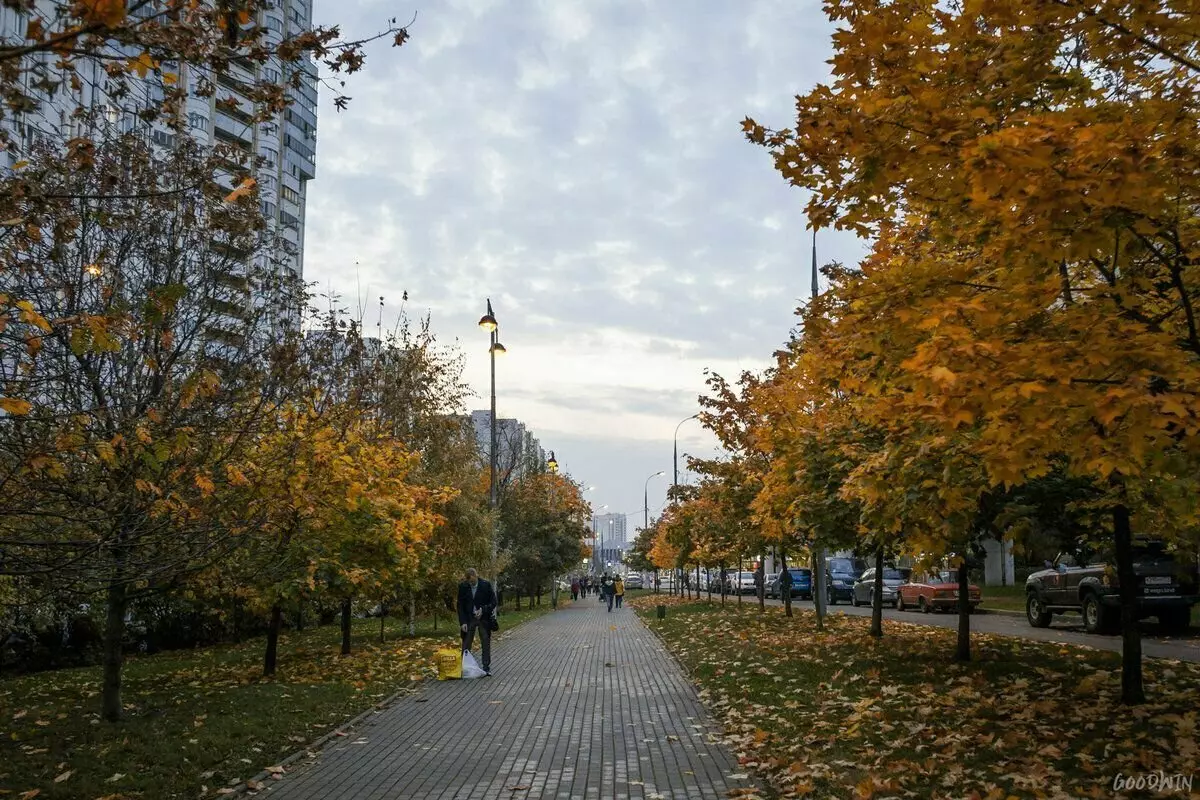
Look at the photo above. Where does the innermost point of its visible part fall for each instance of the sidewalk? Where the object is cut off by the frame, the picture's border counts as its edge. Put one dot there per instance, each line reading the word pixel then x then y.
pixel 575 710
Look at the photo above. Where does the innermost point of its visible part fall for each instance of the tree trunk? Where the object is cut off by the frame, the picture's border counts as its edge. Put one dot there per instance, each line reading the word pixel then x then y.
pixel 787 596
pixel 114 639
pixel 346 604
pixel 270 658
pixel 539 595
pixel 656 580
pixel 237 621
pixel 382 620
pixel 963 651
pixel 762 586
pixel 299 617
pixel 722 585
pixel 1132 690
pixel 818 584
pixel 739 581
pixel 877 597
pixel 412 614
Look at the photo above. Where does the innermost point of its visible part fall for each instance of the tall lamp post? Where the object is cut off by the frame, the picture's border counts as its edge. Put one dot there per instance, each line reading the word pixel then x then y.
pixel 489 324
pixel 646 500
pixel 675 449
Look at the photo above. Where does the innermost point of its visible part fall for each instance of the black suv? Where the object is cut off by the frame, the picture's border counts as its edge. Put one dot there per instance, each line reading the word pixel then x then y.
pixel 1167 588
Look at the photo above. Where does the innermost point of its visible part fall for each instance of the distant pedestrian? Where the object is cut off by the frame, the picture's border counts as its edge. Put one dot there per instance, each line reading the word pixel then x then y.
pixel 609 589
pixel 476 612
pixel 575 589
pixel 619 590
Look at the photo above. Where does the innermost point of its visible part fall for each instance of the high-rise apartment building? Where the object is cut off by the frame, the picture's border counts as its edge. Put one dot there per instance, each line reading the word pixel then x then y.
pixel 280 153
pixel 517 450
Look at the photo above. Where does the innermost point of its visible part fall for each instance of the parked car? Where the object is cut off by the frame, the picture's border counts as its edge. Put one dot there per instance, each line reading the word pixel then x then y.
pixel 840 575
pixel 633 581
pixel 1167 588
pixel 742 583
pixel 936 591
pixel 864 587
pixel 801 583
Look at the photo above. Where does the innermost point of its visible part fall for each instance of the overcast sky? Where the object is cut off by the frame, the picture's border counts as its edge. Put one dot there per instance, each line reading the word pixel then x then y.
pixel 581 163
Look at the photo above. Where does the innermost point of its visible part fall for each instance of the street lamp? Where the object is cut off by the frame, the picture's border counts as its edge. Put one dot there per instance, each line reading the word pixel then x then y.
pixel 488 323
pixel 646 500
pixel 675 450
pixel 552 463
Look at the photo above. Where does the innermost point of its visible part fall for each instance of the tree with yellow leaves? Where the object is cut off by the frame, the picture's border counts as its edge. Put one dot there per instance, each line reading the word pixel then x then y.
pixel 1029 169
pixel 121 430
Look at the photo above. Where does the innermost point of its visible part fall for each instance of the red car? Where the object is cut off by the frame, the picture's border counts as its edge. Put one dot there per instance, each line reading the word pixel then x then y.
pixel 936 591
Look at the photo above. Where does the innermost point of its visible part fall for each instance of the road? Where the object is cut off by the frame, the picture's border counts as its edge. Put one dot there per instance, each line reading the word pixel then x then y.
pixel 1064 629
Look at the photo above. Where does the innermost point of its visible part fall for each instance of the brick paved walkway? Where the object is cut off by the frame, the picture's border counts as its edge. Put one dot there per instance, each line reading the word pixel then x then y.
pixel 575 710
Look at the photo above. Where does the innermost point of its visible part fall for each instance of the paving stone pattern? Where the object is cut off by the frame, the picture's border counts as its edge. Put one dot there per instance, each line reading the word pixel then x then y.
pixel 575 710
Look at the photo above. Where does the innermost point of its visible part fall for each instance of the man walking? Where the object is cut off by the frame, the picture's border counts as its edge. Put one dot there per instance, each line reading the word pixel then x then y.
pixel 608 588
pixel 476 610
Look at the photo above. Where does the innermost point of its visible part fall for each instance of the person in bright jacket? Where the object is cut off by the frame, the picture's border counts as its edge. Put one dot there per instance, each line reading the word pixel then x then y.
pixel 619 589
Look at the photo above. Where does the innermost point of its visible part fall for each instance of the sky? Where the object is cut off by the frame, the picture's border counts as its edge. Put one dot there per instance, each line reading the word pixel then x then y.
pixel 581 163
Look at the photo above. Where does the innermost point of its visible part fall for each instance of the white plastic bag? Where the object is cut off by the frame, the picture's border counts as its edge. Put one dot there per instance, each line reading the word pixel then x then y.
pixel 471 668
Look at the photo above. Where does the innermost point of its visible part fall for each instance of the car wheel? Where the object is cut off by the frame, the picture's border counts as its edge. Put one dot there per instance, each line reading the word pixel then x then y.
pixel 1095 619
pixel 923 605
pixel 900 602
pixel 1035 612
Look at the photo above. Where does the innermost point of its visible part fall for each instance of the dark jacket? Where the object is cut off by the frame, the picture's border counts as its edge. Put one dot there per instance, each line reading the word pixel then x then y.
pixel 485 599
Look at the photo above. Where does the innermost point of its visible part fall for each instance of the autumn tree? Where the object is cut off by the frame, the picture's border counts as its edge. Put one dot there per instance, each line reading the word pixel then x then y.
pixel 542 524
pixel 122 427
pixel 1029 171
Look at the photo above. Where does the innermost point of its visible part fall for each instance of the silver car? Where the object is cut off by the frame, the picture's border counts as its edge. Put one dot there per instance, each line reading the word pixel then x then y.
pixel 864 587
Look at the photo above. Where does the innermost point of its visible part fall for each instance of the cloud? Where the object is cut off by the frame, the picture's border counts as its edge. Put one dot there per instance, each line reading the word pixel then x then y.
pixel 581 164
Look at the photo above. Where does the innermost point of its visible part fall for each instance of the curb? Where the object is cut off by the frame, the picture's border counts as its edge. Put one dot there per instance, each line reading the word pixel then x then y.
pixel 262 777
pixel 1004 612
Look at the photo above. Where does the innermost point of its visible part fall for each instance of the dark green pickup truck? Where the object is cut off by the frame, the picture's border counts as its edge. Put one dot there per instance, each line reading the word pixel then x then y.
pixel 1167 589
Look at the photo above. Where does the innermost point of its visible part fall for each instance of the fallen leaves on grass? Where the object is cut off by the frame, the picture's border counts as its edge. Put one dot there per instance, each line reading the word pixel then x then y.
pixel 841 714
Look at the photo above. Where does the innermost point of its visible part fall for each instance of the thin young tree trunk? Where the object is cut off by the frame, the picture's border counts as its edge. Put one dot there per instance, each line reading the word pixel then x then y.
pixel 300 617
pixel 877 597
pixel 114 657
pixel 963 650
pixel 1132 689
pixel 412 614
pixel 787 596
pixel 382 620
pixel 271 657
pixel 818 585
pixel 346 607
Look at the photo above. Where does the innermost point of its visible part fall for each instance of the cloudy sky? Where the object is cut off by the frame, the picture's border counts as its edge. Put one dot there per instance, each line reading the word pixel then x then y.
pixel 581 163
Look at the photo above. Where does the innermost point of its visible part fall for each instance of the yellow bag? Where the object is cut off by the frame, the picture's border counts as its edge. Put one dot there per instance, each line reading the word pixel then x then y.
pixel 449 664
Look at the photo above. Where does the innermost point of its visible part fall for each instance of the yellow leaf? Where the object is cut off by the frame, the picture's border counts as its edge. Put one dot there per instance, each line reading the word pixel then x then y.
pixel 242 190
pixel 142 64
pixel 34 29
pixel 110 13
pixel 943 375
pixel 169 78
pixel 1030 389
pixel 205 485
pixel 15 406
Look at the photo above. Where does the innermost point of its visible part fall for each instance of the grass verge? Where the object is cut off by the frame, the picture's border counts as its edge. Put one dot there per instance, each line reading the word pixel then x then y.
pixel 1004 598
pixel 199 721
pixel 840 714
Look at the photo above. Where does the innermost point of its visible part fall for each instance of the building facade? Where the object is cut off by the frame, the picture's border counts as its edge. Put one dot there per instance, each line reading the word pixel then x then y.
pixel 279 154
pixel 518 451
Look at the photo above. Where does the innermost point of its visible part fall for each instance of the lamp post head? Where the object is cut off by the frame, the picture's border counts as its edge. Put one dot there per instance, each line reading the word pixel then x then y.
pixel 552 464
pixel 488 320
pixel 498 349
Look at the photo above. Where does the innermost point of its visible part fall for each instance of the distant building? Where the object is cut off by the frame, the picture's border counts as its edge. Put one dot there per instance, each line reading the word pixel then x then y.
pixel 518 451
pixel 610 532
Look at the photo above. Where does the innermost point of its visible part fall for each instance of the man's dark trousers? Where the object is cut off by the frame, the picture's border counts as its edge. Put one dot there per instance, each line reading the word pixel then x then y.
pixel 485 640
pixel 610 600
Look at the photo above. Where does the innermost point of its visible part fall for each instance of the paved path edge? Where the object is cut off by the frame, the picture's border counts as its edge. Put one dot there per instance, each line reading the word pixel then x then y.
pixel 757 780
pixel 315 746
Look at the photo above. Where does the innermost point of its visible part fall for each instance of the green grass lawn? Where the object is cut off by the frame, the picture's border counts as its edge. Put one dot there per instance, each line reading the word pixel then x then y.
pixel 200 720
pixel 840 714
pixel 1006 598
